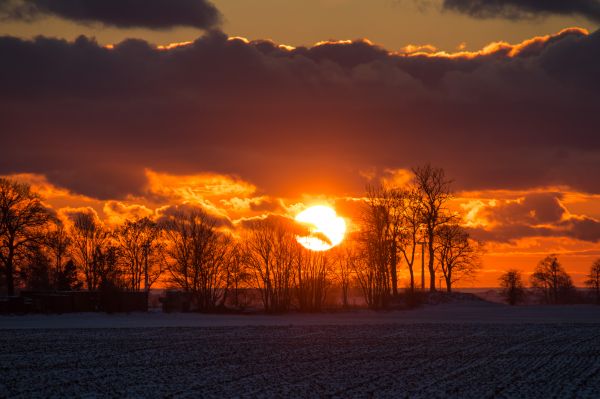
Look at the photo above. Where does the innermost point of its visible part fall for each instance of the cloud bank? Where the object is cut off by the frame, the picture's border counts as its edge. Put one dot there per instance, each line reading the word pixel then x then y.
pixel 524 9
pixel 296 120
pixel 152 14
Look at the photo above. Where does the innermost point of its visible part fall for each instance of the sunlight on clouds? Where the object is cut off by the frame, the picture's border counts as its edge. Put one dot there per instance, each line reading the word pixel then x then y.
pixel 397 177
pixel 196 187
pixel 511 50
pixel 116 212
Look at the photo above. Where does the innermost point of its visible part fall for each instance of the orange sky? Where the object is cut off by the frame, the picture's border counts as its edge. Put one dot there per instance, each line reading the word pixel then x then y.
pixel 282 105
pixel 234 200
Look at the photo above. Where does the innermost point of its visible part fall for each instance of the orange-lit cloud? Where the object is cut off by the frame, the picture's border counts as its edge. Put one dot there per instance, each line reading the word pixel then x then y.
pixel 116 212
pixel 529 46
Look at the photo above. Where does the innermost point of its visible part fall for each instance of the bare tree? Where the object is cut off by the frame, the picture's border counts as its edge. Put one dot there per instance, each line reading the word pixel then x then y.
pixel 552 281
pixel 141 252
pixel 238 276
pixel 593 280
pixel 457 254
pixel 379 240
pixel 22 218
pixel 411 229
pixel 434 192
pixel 513 289
pixel 344 259
pixel 272 255
pixel 58 244
pixel 89 241
pixel 36 271
pixel 369 279
pixel 199 256
pixel 312 280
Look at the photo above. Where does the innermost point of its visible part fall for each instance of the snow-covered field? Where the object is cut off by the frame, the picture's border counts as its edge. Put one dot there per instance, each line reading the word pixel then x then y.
pixel 473 350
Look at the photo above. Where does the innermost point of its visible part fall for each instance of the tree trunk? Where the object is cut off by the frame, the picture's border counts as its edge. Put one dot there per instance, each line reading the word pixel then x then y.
pixel 10 282
pixel 449 283
pixel 431 263
pixel 394 273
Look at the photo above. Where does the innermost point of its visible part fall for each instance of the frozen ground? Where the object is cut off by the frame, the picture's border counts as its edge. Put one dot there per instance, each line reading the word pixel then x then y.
pixel 474 350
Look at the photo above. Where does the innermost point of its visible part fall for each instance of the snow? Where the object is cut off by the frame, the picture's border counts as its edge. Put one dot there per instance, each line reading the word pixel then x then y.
pixel 457 350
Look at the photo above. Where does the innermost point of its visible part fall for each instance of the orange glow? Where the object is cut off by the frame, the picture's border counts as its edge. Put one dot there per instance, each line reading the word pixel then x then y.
pixel 323 223
pixel 171 46
pixel 511 50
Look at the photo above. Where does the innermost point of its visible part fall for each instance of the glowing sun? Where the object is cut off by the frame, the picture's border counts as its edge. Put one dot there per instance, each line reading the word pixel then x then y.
pixel 326 228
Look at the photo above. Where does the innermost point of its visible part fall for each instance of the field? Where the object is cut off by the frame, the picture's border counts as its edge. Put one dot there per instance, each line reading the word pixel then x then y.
pixel 392 354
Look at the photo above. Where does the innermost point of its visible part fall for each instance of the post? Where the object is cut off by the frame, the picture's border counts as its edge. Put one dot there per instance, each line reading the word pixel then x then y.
pixel 423 266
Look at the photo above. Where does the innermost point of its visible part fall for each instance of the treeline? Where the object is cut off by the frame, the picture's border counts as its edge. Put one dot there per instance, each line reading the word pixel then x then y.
pixel 550 284
pixel 187 249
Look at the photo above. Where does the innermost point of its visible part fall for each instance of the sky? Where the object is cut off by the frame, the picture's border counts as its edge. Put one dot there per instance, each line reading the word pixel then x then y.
pixel 131 107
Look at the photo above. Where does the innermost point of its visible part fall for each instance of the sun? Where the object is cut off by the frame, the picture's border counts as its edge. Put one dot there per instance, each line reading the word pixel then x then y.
pixel 326 228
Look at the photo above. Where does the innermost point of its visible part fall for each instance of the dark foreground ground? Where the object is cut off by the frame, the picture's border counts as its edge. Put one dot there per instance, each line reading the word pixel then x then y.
pixel 381 360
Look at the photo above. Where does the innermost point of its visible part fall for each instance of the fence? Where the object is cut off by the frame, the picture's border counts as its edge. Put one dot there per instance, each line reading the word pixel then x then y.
pixel 74 301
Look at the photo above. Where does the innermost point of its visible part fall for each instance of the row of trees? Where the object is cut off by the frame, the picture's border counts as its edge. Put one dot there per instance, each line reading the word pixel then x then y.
pixel 396 221
pixel 550 282
pixel 39 252
pixel 187 249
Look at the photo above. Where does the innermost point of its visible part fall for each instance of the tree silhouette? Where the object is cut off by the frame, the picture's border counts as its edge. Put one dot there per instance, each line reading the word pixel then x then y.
pixel 411 231
pixel 140 252
pixel 199 256
pixel 58 244
pixel 67 279
pixel 513 289
pixel 272 255
pixel 89 241
pixel 22 218
pixel 36 271
pixel 434 192
pixel 552 281
pixel 593 280
pixel 458 255
pixel 312 279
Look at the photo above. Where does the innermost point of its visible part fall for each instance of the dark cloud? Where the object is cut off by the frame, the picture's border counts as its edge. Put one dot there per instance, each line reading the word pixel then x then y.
pixel 306 120
pixel 535 215
pixel 534 209
pixel 521 9
pixel 152 14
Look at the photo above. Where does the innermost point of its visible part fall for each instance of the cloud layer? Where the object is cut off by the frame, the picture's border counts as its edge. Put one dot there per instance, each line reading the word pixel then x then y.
pixel 153 14
pixel 522 9
pixel 540 214
pixel 93 119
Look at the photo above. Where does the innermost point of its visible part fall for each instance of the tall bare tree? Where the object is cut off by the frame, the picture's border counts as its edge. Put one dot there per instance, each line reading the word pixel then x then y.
pixel 435 193
pixel 58 244
pixel 370 279
pixel 238 276
pixel 272 255
pixel 378 241
pixel 22 218
pixel 198 255
pixel 313 272
pixel 344 258
pixel 458 255
pixel 89 244
pixel 141 252
pixel 411 229
pixel 593 280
